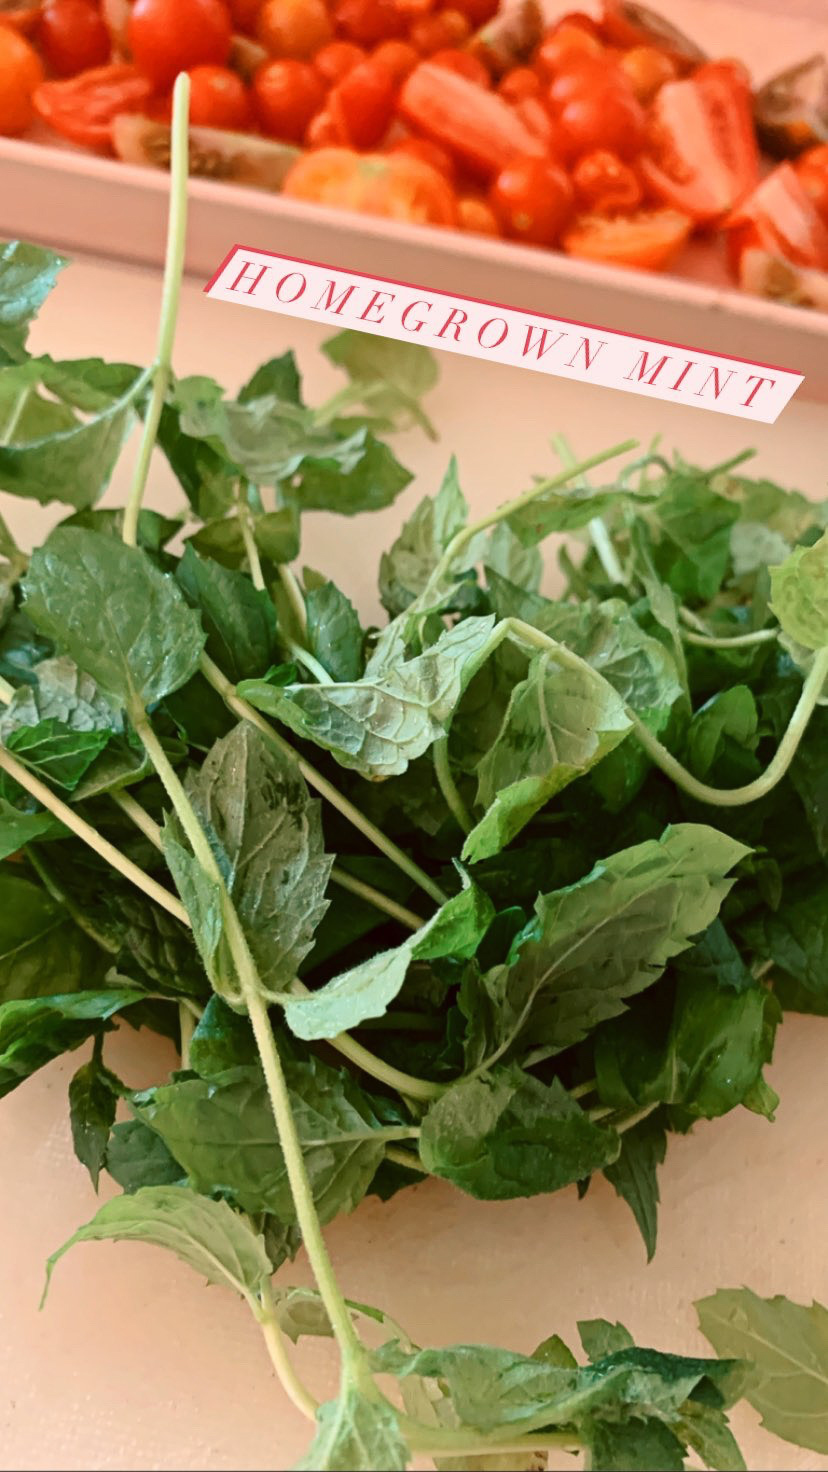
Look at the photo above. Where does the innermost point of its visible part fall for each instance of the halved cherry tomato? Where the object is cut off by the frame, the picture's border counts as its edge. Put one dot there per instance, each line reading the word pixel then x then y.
pixel 219 99
pixel 476 216
pixel 518 84
pixel 704 157
pixel 464 64
pixel 72 37
pixel 544 128
pixel 286 95
pixel 436 32
pixel 296 28
pixel 785 219
pixel 390 185
pixel 605 185
pixel 322 132
pixel 812 170
pixel 626 24
pixel 335 60
pixel 533 200
pixel 362 104
pixel 21 72
pixel 169 36
pixel 20 15
pixel 565 43
pixel 82 108
pixel 648 69
pixel 478 128
pixel 647 241
pixel 397 57
pixel 369 21
pixel 428 153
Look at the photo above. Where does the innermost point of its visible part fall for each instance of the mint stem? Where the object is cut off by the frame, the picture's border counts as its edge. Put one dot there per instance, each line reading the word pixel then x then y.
pixel 601 539
pixel 278 1351
pixel 448 786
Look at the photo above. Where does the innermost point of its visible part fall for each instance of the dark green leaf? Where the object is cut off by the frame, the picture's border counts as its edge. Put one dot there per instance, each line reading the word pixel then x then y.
pixel 34 1031
pixel 18 828
pixel 136 1156
pixel 335 634
pixel 222 1040
pixel 798 594
pixel 722 738
pixel 636 1446
pixel 27 275
pixel 406 568
pixel 41 948
pixel 93 1098
pixel 239 620
pixel 795 937
pixel 634 1176
pixel 278 376
pixel 55 752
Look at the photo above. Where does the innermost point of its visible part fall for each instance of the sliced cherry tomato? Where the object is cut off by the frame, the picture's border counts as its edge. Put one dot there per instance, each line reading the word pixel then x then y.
pixel 286 95
pixel 785 219
pixel 391 185
pixel 219 99
pixel 476 216
pixel 478 128
pixel 603 115
pixel 362 104
pixel 428 153
pixel 647 69
pixel 812 170
pixel 169 36
pixel 518 84
pixel 438 32
pixel 397 57
pixel 335 60
pixel 703 155
pixel 648 240
pixel 464 64
pixel 82 108
pixel 369 21
pixel 605 185
pixel 20 15
pixel 21 72
pixel 565 43
pixel 626 24
pixel 322 132
pixel 296 28
pixel 544 127
pixel 72 37
pixel 533 200
pixel 727 66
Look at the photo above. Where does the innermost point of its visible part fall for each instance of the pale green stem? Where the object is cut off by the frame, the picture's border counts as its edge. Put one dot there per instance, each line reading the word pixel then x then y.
pixel 139 816
pixel 303 656
pixel 460 1442
pixel 293 594
pixel 601 1112
pixel 319 783
pixel 448 786
pixel 187 1024
pixel 16 414
pixel 250 548
pixel 736 641
pixel 581 1090
pixel 280 1357
pixel 90 836
pixel 727 465
pixel 404 1157
pixel 462 538
pixel 601 539
pixel 628 1121
pixel 173 267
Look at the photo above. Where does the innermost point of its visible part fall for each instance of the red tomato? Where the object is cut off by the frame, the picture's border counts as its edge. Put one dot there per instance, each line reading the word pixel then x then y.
pixel 21 72
pixel 812 170
pixel 647 70
pixel 82 108
pixel 336 60
pixel 437 32
pixel 296 28
pixel 464 64
pixel 532 199
pixel 20 15
pixel 478 128
pixel 703 156
pixel 477 12
pixel 322 132
pixel 544 127
pixel 428 153
pixel 605 185
pixel 414 9
pixel 369 21
pixel 583 76
pixel 390 185
pixel 169 36
pixel 397 57
pixel 219 99
pixel 286 94
pixel 518 84
pixel 476 216
pixel 728 66
pixel 563 44
pixel 607 116
pixel 648 240
pixel 245 14
pixel 785 219
pixel 362 105
pixel 71 37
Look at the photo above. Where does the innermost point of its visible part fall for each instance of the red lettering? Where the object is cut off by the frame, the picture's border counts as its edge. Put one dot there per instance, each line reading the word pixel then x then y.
pixel 450 322
pixel 589 356
pixel 717 384
pixel 643 366
pixel 540 347
pixel 249 266
pixel 690 363
pixel 754 391
pixel 491 323
pixel 289 277
pixel 328 303
pixel 410 308
pixel 375 302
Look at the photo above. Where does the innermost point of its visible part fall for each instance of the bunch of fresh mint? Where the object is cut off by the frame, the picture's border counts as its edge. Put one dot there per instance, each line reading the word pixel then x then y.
pixel 504 892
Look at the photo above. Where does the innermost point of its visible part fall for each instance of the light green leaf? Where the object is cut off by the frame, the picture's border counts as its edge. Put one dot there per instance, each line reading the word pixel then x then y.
pixel 787 1343
pixel 41 948
pixel 208 1235
pixel 390 377
pixel 560 722
pixel 62 693
pixel 335 634
pixel 238 619
pixel 599 1338
pixel 355 1434
pixel 35 1030
pixel 27 275
pixel 634 1176
pixel 646 1445
pixel 379 724
pixel 507 1135
pixel 93 1098
pixel 406 568
pixel 55 752
pixel 202 900
pixel 799 594
pixel 705 1430
pixel 507 556
pixel 18 828
pixel 121 620
pixel 564 510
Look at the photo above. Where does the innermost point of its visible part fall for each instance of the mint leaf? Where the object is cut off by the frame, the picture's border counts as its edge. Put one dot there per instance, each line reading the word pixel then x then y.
pixel 599 1338
pixel 795 937
pixel 506 556
pixel 63 693
pixel 722 737
pixel 120 619
pixel 335 634
pixel 27 275
pixel 391 377
pixel 41 948
pixel 355 1434
pixel 407 566
pixel 238 619
pixel 634 1176
pixel 787 1343
pixel 207 1235
pixel 508 1135
pixel 647 1445
pixel 56 753
pixel 706 1432
pixel 136 1156
pixel 798 594
pixel 34 1030
pixel 18 828
pixel 93 1098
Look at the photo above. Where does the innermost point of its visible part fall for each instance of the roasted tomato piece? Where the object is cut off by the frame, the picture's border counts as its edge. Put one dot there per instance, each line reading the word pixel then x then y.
pixel 648 240
pixel 605 185
pixel 791 109
pixel 625 24
pixel 392 185
pixel 82 108
pixel 703 157
pixel 785 219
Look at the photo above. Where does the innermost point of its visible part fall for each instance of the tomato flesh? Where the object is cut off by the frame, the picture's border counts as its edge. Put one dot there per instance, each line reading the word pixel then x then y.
pixel 647 241
pixel 704 157
pixel 21 71
pixel 393 186
pixel 477 127
pixel 361 105
pixel 82 108
pixel 785 220
pixel 605 185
